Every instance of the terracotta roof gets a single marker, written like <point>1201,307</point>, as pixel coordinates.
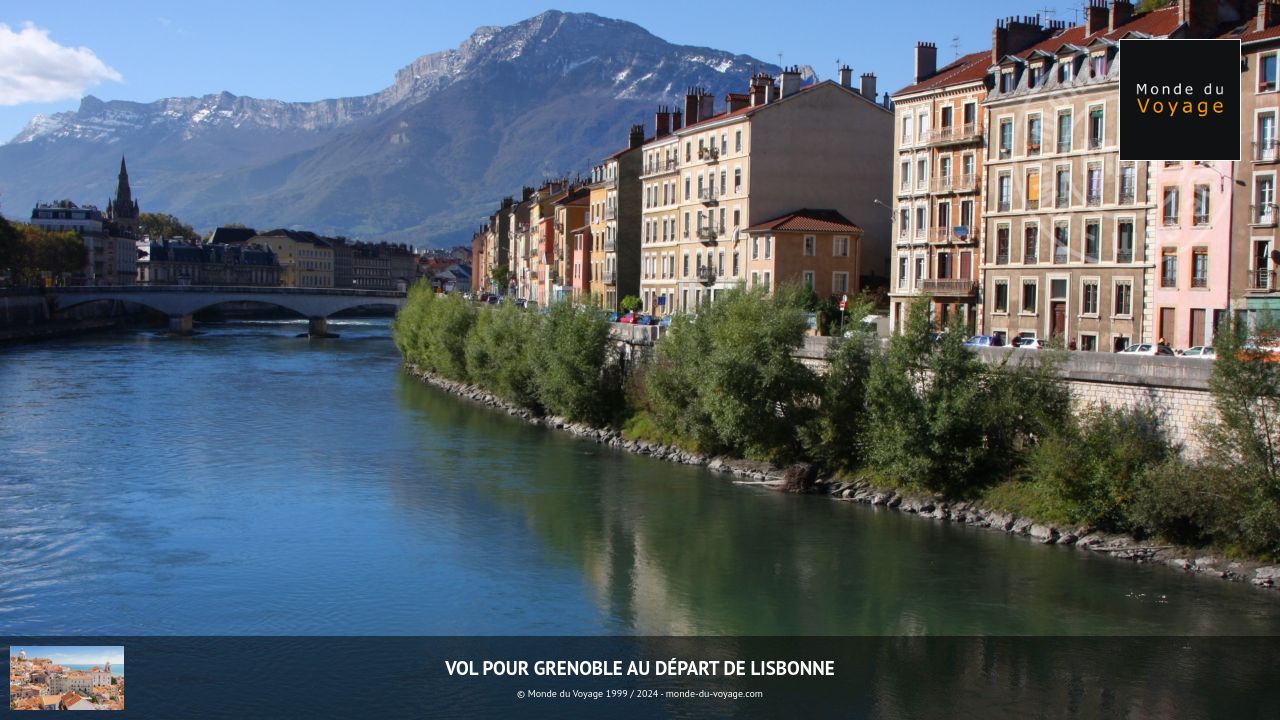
<point>965,69</point>
<point>1247,32</point>
<point>807,220</point>
<point>1157,23</point>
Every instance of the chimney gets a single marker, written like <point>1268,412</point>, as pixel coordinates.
<point>926,60</point>
<point>790,81</point>
<point>735,101</point>
<point>526,193</point>
<point>1095,16</point>
<point>677,120</point>
<point>868,88</point>
<point>846,76</point>
<point>1121,11</point>
<point>662,122</point>
<point>1015,34</point>
<point>706,104</point>
<point>691,106</point>
<point>770,92</point>
<point>636,139</point>
<point>1200,17</point>
<point>1268,14</point>
<point>758,83</point>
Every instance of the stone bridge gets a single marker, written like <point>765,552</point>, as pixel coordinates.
<point>180,302</point>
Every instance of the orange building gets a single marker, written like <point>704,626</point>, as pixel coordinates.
<point>819,248</point>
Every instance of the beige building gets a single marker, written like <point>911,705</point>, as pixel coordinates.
<point>776,149</point>
<point>305,259</point>
<point>593,274</point>
<point>1255,287</point>
<point>937,179</point>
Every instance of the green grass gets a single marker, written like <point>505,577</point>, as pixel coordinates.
<point>642,427</point>
<point>1025,498</point>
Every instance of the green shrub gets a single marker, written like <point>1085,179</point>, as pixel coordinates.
<point>569,364</point>
<point>1097,464</point>
<point>836,437</point>
<point>499,352</point>
<point>446,321</point>
<point>410,322</point>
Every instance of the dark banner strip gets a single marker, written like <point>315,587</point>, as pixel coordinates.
<point>645,677</point>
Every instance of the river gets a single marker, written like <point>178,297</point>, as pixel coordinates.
<point>249,482</point>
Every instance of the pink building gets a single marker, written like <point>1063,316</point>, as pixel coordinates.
<point>581,267</point>
<point>1191,250</point>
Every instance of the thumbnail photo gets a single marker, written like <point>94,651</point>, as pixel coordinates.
<point>66,678</point>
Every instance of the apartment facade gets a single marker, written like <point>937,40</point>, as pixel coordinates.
<point>937,179</point>
<point>819,248</point>
<point>659,181</point>
<point>595,235</point>
<point>622,210</point>
<point>570,211</point>
<point>305,259</point>
<point>1255,250</point>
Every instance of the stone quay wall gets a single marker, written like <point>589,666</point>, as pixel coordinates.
<point>1175,388</point>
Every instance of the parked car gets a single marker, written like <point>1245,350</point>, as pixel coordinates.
<point>521,302</point>
<point>494,299</point>
<point>664,321</point>
<point>1148,349</point>
<point>614,317</point>
<point>645,320</point>
<point>628,319</point>
<point>984,341</point>
<point>1027,343</point>
<point>1205,352</point>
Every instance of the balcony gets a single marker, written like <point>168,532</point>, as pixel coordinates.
<point>1199,281</point>
<point>1263,214</point>
<point>709,233</point>
<point>610,244</point>
<point>706,274</point>
<point>1061,201</point>
<point>1033,149</point>
<point>1064,146</point>
<point>710,154</point>
<point>1032,203</point>
<point>1265,152</point>
<point>951,288</point>
<point>953,135</point>
<point>1030,256</point>
<point>1060,256</point>
<point>1093,200</point>
<point>1095,143</point>
<point>1126,196</point>
<point>609,277</point>
<point>1005,153</point>
<point>1261,280</point>
<point>948,235</point>
<point>708,196</point>
<point>1124,255</point>
<point>610,212</point>
<point>1002,258</point>
<point>1199,219</point>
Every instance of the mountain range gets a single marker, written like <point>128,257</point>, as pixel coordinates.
<point>421,161</point>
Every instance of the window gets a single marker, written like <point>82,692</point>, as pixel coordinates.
<point>1096,132</point>
<point>735,263</point>
<point>1128,183</point>
<point>686,187</point>
<point>808,279</point>
<point>902,272</point>
<point>919,269</point>
<point>1092,240</point>
<point>1170,206</point>
<point>1002,245</point>
<point>839,283</point>
<point>1006,81</point>
<point>1029,290</point>
<point>1006,138</point>
<point>1061,243</point>
<point>1168,268</point>
<point>1124,298</point>
<point>1088,342</point>
<point>1064,132</point>
<point>810,245</point>
<point>737,180</point>
<point>1031,244</point>
<point>905,182</point>
<point>944,266</point>
<point>904,222</point>
<point>944,217</point>
<point>1202,205</point>
<point>766,281</point>
<point>970,117</point>
<point>922,221</point>
<point>922,173</point>
<point>1093,185</point>
<point>1002,296</point>
<point>1089,297</point>
<point>1033,75</point>
<point>944,170</point>
<point>840,246</point>
<point>1033,135</point>
<point>1004,190</point>
<point>1265,200</point>
<point>1099,63</point>
<point>737,141</point>
<point>1062,193</point>
<point>1200,268</point>
<point>686,264</point>
<point>966,215</point>
<point>1267,72</point>
<point>768,247</point>
<point>737,217</point>
<point>1032,200</point>
<point>1064,71</point>
<point>1124,241</point>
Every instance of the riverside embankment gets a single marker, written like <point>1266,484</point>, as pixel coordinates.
<point>929,506</point>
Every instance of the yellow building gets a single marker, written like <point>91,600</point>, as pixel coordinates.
<point>305,259</point>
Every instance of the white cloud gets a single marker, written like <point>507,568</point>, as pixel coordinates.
<point>34,68</point>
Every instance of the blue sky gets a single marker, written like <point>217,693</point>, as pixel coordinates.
<point>74,654</point>
<point>51,53</point>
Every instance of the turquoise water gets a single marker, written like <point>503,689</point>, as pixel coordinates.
<point>249,482</point>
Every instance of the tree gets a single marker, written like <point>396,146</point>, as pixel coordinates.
<point>501,276</point>
<point>162,225</point>
<point>1149,5</point>
<point>837,436</point>
<point>630,303</point>
<point>569,364</point>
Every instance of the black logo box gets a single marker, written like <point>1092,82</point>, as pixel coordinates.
<point>1190,65</point>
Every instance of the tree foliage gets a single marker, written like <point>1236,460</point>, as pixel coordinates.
<point>28,252</point>
<point>165,226</point>
<point>499,353</point>
<point>570,372</point>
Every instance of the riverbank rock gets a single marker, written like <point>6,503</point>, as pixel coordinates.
<point>1268,576</point>
<point>799,478</point>
<point>1043,534</point>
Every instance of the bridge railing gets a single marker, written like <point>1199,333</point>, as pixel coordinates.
<point>236,289</point>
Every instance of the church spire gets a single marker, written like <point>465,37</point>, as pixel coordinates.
<point>123,209</point>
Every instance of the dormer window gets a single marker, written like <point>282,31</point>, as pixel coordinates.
<point>1034,73</point>
<point>1064,70</point>
<point>1099,62</point>
<point>1006,81</point>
